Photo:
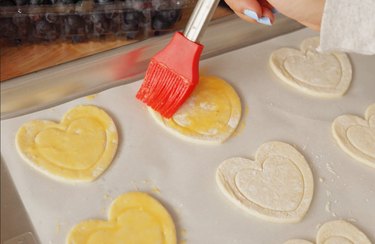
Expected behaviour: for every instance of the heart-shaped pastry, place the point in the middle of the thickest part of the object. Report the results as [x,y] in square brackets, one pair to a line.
[134,217]
[356,136]
[318,74]
[277,186]
[210,115]
[340,232]
[79,148]
[336,232]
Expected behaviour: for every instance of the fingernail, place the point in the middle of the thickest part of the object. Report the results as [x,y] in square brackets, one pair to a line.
[251,14]
[264,21]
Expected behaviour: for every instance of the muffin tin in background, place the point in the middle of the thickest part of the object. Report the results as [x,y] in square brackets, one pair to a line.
[34,21]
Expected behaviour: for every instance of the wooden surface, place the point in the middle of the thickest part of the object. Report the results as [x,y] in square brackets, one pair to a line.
[19,60]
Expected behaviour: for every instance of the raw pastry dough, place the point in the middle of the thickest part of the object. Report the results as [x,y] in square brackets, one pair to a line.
[210,115]
[297,241]
[278,186]
[134,218]
[80,148]
[340,232]
[317,74]
[356,136]
[336,232]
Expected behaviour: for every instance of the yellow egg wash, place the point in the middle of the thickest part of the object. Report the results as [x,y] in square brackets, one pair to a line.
[91,97]
[79,148]
[242,125]
[211,114]
[134,218]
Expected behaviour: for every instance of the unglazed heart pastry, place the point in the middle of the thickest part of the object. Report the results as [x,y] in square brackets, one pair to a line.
[314,73]
[79,148]
[297,241]
[277,186]
[210,115]
[356,136]
[336,232]
[340,232]
[134,218]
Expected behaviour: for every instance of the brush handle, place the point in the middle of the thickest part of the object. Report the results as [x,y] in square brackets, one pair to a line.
[200,18]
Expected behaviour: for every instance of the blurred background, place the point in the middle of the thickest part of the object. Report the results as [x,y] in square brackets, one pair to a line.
[36,34]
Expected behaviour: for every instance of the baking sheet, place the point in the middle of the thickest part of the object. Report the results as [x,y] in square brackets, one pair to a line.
[182,175]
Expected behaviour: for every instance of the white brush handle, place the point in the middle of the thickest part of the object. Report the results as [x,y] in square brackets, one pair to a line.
[200,18]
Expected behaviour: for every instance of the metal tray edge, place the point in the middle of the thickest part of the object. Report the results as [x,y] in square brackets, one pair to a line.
[92,74]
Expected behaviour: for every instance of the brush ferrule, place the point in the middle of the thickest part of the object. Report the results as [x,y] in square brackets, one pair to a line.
[199,19]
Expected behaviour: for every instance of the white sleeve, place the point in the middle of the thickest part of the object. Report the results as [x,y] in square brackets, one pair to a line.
[349,26]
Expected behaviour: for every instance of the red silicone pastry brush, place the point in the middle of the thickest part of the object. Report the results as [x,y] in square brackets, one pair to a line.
[173,73]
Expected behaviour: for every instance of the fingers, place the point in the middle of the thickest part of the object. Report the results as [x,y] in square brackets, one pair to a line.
[307,12]
[239,6]
[266,4]
[253,11]
[246,18]
[268,13]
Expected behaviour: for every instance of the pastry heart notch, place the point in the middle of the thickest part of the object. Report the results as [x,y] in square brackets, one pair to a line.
[79,148]
[312,72]
[277,186]
[356,136]
[336,231]
[133,217]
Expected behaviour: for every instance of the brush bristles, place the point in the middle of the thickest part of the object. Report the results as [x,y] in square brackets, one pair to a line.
[164,90]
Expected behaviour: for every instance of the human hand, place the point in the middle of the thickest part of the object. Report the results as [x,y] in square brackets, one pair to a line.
[253,10]
[307,12]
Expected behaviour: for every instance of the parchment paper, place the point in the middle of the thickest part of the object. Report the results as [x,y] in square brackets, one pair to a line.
[182,175]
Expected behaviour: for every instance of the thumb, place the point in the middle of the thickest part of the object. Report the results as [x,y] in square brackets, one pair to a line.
[240,6]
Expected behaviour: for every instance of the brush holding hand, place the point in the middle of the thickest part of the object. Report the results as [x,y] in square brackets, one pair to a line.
[344,25]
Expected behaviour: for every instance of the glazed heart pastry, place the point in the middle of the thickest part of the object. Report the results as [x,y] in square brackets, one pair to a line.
[314,73]
[277,186]
[79,148]
[356,136]
[209,116]
[337,232]
[133,218]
